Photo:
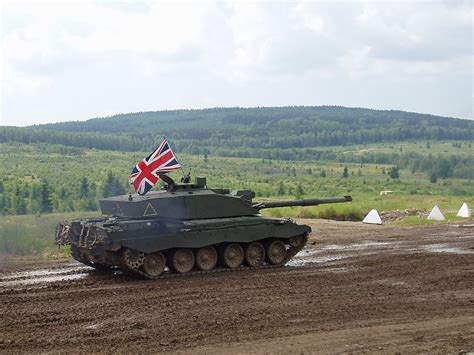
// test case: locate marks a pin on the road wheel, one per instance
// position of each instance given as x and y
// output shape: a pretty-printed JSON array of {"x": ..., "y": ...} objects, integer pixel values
[
  {"x": 133, "y": 258},
  {"x": 296, "y": 241},
  {"x": 254, "y": 254},
  {"x": 276, "y": 252},
  {"x": 182, "y": 260},
  {"x": 206, "y": 258},
  {"x": 154, "y": 264},
  {"x": 232, "y": 255}
]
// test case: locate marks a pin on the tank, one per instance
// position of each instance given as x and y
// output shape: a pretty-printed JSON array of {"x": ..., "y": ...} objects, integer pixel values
[{"x": 186, "y": 228}]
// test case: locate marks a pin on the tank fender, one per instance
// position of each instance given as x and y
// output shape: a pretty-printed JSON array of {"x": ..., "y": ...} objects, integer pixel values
[{"x": 200, "y": 236}]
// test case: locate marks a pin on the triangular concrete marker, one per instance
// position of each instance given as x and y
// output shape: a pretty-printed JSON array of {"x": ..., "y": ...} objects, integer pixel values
[
  {"x": 464, "y": 211},
  {"x": 436, "y": 214},
  {"x": 372, "y": 218},
  {"x": 150, "y": 210}
]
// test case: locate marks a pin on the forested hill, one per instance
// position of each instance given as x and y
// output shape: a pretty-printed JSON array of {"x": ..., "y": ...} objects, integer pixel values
[{"x": 227, "y": 130}]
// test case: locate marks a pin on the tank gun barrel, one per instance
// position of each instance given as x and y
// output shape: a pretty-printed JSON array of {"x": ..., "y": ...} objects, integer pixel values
[{"x": 304, "y": 202}]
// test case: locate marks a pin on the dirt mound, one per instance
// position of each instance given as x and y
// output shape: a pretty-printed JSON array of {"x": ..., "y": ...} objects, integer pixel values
[{"x": 397, "y": 215}]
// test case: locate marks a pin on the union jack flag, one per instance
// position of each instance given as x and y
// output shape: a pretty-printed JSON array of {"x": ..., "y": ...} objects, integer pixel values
[{"x": 145, "y": 173}]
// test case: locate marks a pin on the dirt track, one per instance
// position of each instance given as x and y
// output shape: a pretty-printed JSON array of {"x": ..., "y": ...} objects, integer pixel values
[{"x": 353, "y": 288}]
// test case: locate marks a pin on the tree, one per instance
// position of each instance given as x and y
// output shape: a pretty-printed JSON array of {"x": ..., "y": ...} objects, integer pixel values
[
  {"x": 93, "y": 189},
  {"x": 112, "y": 186},
  {"x": 299, "y": 192},
  {"x": 393, "y": 173},
  {"x": 84, "y": 189},
  {"x": 281, "y": 189},
  {"x": 345, "y": 173},
  {"x": 18, "y": 202},
  {"x": 443, "y": 167},
  {"x": 4, "y": 204},
  {"x": 35, "y": 203},
  {"x": 46, "y": 204},
  {"x": 20, "y": 206},
  {"x": 62, "y": 193}
]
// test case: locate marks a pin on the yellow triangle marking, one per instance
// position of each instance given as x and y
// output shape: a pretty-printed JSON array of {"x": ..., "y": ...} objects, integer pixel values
[
  {"x": 118, "y": 210},
  {"x": 150, "y": 210}
]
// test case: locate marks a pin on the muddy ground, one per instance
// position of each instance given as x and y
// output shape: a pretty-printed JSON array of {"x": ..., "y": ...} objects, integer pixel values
[{"x": 354, "y": 288}]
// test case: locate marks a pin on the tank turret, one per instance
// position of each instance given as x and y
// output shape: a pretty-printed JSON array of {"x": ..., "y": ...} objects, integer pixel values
[{"x": 187, "y": 227}]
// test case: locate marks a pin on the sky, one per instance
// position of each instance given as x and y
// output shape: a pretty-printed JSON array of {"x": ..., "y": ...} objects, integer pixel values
[{"x": 75, "y": 60}]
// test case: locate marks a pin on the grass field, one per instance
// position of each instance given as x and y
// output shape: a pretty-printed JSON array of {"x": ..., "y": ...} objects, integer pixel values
[
  {"x": 270, "y": 179},
  {"x": 32, "y": 234}
]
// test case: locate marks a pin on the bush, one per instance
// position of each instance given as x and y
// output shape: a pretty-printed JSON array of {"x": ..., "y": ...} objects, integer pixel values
[
  {"x": 345, "y": 215},
  {"x": 458, "y": 191}
]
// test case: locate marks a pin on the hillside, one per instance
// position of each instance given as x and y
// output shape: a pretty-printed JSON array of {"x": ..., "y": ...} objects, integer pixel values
[
  {"x": 272, "y": 132},
  {"x": 285, "y": 152}
]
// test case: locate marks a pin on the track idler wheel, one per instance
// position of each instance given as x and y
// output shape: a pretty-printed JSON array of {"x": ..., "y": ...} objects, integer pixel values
[
  {"x": 232, "y": 255},
  {"x": 276, "y": 252},
  {"x": 133, "y": 258},
  {"x": 206, "y": 258},
  {"x": 154, "y": 264},
  {"x": 296, "y": 241},
  {"x": 254, "y": 254},
  {"x": 182, "y": 260}
]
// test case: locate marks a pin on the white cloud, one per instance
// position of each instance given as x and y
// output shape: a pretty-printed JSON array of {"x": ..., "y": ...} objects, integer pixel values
[{"x": 142, "y": 56}]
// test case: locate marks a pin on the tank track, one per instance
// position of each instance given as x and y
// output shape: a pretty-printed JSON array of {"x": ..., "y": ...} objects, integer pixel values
[
  {"x": 291, "y": 252},
  {"x": 78, "y": 257}
]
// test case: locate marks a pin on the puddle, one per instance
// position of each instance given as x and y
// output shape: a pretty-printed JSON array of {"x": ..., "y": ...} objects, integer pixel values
[
  {"x": 302, "y": 261},
  {"x": 444, "y": 248},
  {"x": 466, "y": 237},
  {"x": 336, "y": 269},
  {"x": 43, "y": 279},
  {"x": 398, "y": 283},
  {"x": 92, "y": 326},
  {"x": 43, "y": 272},
  {"x": 40, "y": 276},
  {"x": 357, "y": 246},
  {"x": 307, "y": 257},
  {"x": 390, "y": 282}
]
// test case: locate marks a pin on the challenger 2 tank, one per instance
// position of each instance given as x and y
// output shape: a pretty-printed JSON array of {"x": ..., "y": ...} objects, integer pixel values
[{"x": 184, "y": 228}]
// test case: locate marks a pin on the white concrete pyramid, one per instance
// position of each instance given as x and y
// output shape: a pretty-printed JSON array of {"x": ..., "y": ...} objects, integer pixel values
[
  {"x": 436, "y": 214},
  {"x": 464, "y": 211},
  {"x": 372, "y": 218}
]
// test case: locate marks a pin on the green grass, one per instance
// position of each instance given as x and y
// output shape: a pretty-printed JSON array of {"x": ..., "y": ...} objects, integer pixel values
[
  {"x": 32, "y": 234},
  {"x": 415, "y": 220},
  {"x": 363, "y": 203}
]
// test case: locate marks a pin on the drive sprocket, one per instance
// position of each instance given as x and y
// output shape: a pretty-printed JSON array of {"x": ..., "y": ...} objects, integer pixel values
[{"x": 133, "y": 258}]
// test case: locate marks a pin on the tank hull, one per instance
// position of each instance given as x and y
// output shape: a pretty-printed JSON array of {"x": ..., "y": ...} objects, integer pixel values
[{"x": 101, "y": 242}]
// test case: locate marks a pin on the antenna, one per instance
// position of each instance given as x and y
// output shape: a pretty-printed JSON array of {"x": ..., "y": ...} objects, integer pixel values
[{"x": 181, "y": 167}]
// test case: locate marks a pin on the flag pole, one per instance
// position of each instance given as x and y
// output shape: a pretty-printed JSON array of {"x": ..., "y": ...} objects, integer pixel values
[{"x": 180, "y": 166}]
